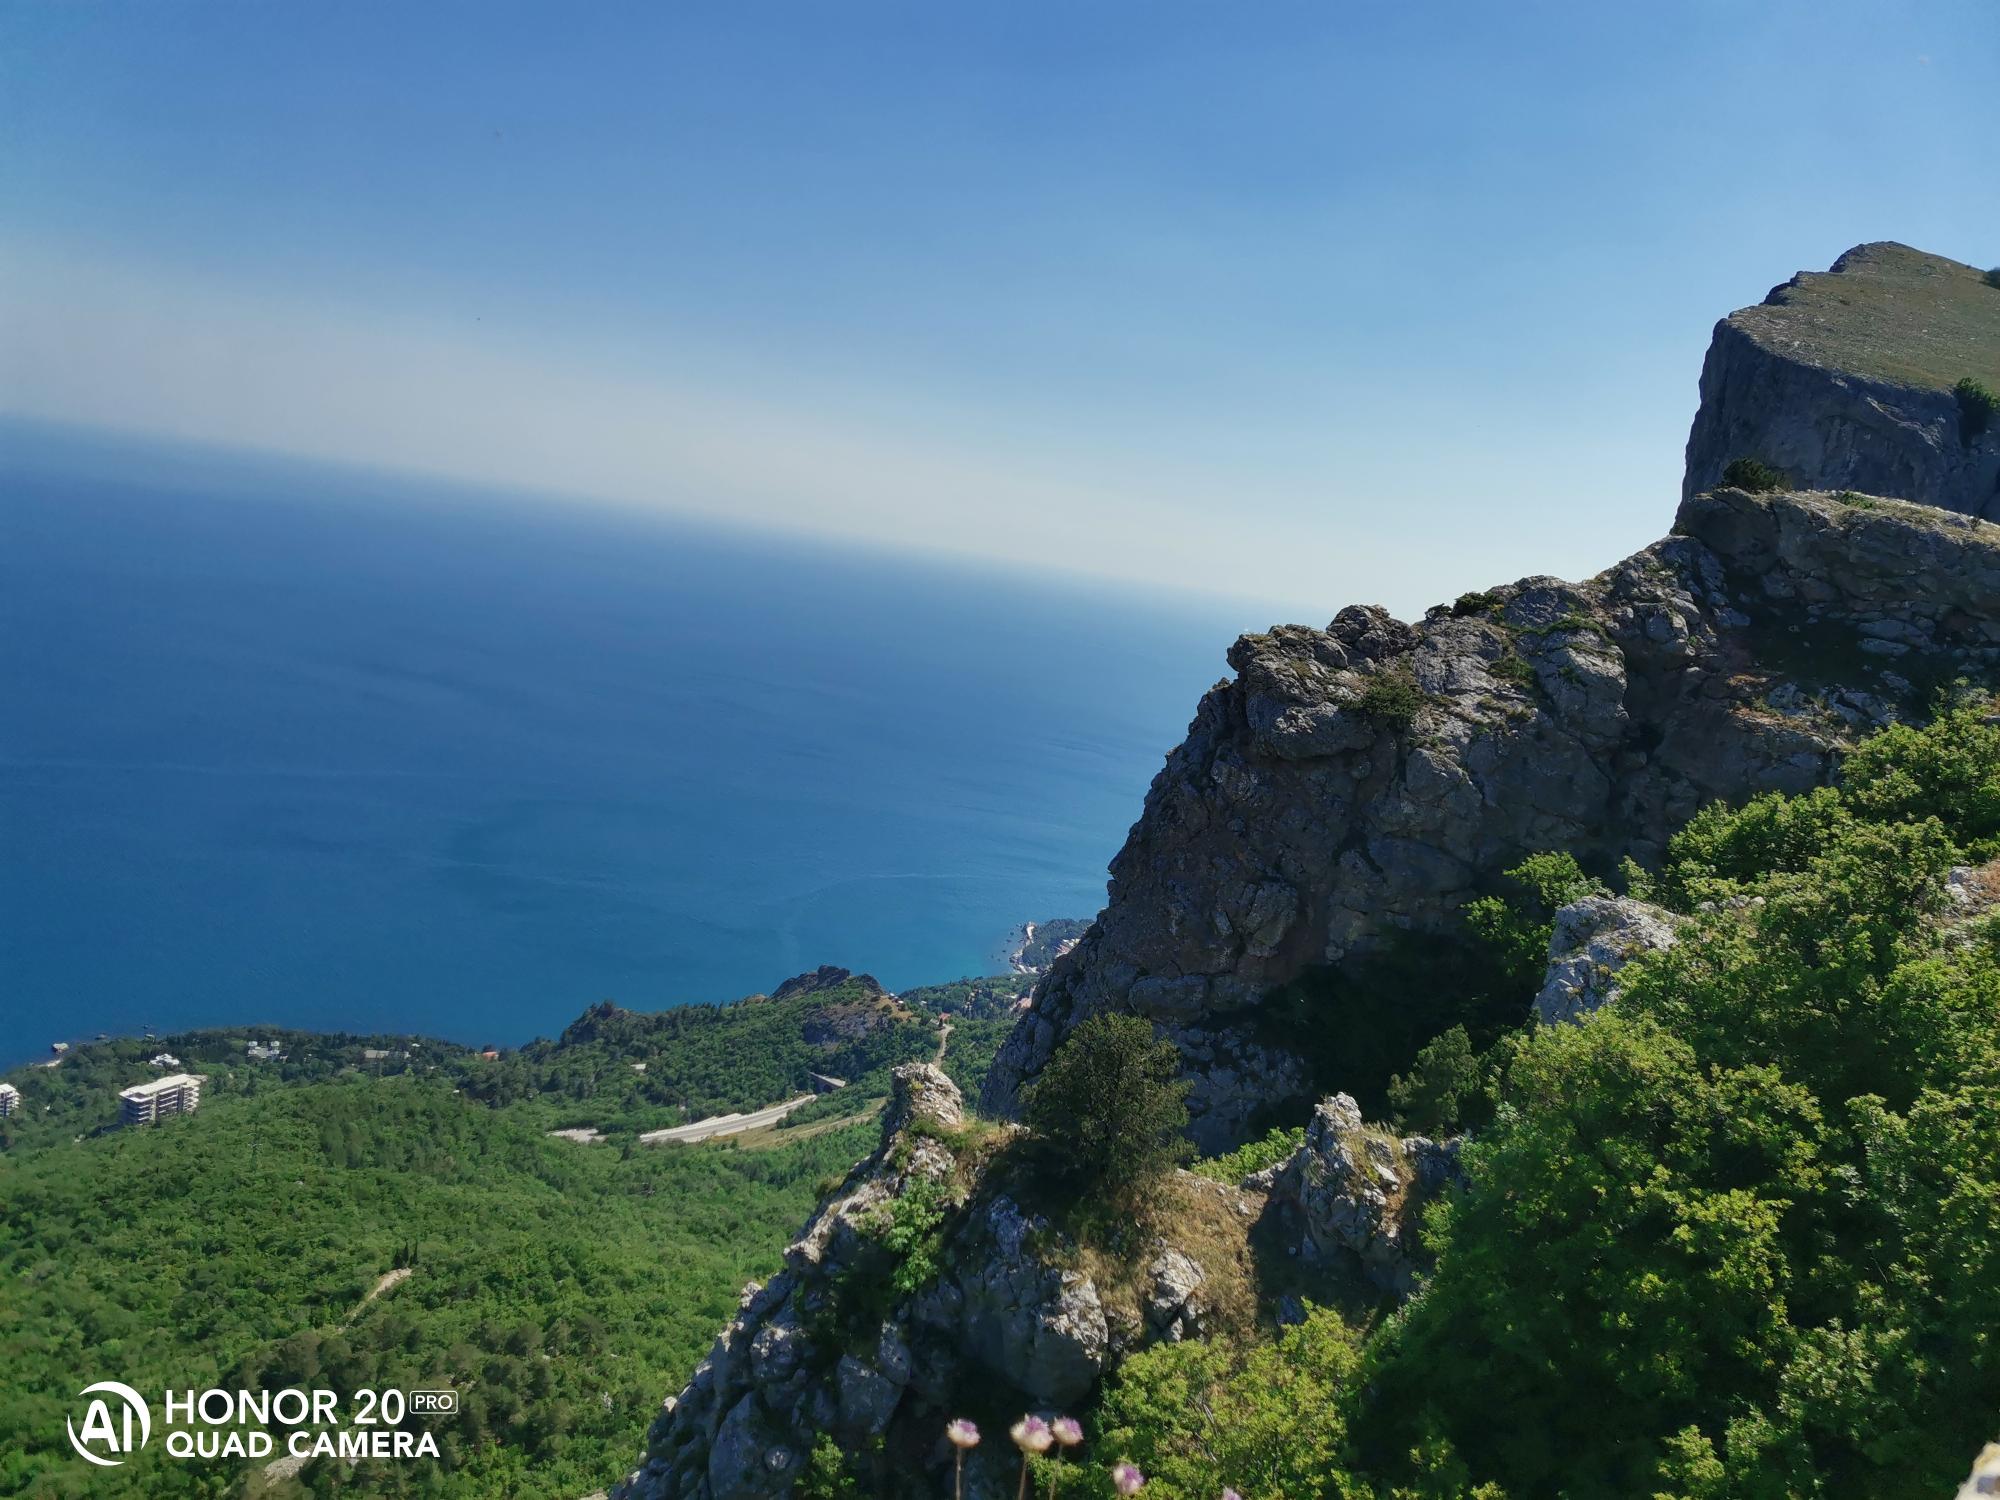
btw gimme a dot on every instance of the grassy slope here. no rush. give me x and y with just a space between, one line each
1891 313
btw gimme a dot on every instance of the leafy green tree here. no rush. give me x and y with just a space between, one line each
1739 1234
1752 474
1110 1108
1622 1238
828 1473
1722 848
912 1231
1948 769
1445 1090
1267 1420
1516 926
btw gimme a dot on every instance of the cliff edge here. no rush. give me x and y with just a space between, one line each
1845 379
1369 778
1347 790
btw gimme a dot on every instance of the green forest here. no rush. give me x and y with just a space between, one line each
638 1070
619 1071
562 1289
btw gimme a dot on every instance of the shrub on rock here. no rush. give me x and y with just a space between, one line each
1111 1104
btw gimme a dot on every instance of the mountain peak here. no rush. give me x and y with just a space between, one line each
1850 378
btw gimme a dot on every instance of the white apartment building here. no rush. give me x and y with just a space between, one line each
148 1103
10 1099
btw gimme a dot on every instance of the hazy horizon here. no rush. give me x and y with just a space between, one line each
299 746
1301 309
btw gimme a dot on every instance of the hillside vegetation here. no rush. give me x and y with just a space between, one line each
620 1071
1735 1235
557 1288
633 1069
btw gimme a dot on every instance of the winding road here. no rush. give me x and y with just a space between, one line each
716 1126
720 1125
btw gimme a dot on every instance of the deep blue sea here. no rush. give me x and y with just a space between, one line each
316 748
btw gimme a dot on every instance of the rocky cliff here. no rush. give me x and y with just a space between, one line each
1844 380
1371 776
1010 1313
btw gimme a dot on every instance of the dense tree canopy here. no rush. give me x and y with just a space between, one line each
1110 1106
1734 1237
561 1289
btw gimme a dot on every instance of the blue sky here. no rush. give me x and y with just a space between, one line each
1297 303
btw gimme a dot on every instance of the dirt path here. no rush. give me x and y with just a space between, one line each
288 1467
388 1281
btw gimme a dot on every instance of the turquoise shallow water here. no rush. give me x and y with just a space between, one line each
305 747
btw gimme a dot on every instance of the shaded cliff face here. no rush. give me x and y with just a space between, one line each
1374 775
1844 380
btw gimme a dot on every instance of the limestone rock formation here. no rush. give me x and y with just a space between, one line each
1594 938
1174 1297
830 1347
1372 776
746 1420
1972 891
1985 1477
1355 1192
1844 380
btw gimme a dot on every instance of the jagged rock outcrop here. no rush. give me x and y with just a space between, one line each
1844 380
747 1418
1371 776
829 1347
1593 939
1174 1304
1357 1192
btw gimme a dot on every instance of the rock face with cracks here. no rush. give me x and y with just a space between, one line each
828 1347
1593 939
1374 775
1350 1192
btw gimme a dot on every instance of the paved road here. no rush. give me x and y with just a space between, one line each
736 1124
718 1125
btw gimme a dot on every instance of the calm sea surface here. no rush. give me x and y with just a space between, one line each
290 745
